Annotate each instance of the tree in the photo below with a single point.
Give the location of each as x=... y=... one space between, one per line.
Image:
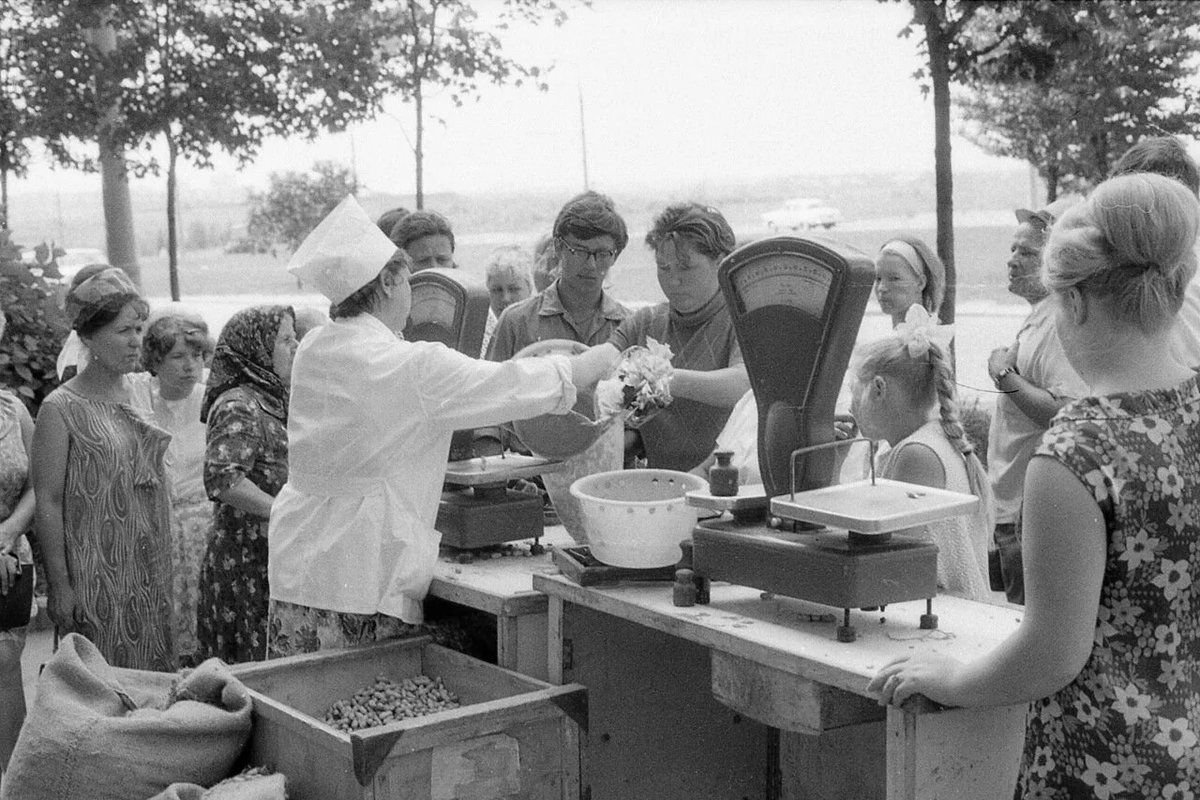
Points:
x=295 y=202
x=1086 y=81
x=201 y=74
x=441 y=43
x=17 y=123
x=35 y=330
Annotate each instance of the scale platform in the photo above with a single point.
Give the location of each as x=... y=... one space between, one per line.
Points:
x=750 y=503
x=856 y=562
x=478 y=510
x=578 y=564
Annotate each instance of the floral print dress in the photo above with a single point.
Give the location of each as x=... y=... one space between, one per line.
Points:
x=1127 y=726
x=244 y=441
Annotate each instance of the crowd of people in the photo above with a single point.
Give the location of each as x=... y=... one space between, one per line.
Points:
x=274 y=492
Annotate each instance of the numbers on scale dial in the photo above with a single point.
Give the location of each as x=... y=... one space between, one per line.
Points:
x=434 y=305
x=783 y=280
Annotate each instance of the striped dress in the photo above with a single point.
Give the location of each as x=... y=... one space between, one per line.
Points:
x=116 y=528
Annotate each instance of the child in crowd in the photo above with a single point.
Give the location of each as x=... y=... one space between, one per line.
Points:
x=903 y=393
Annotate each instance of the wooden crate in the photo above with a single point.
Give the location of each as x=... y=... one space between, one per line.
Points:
x=513 y=736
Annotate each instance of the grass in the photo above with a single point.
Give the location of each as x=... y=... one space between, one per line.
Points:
x=981 y=255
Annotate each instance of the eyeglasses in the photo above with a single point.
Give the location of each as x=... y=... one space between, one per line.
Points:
x=603 y=258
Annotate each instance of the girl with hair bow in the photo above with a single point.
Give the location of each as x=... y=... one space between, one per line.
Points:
x=903 y=392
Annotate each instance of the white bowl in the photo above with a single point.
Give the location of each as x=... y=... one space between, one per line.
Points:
x=636 y=518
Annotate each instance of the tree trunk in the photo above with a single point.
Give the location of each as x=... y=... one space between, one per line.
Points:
x=118 y=210
x=419 y=150
x=1051 y=183
x=3 y=199
x=172 y=238
x=939 y=73
x=114 y=176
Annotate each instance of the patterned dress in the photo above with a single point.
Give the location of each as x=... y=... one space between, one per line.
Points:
x=1127 y=725
x=116 y=523
x=191 y=510
x=244 y=441
x=14 y=477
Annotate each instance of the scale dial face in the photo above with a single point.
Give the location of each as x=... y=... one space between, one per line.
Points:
x=434 y=305
x=783 y=280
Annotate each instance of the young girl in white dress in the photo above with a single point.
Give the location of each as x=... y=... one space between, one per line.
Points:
x=903 y=392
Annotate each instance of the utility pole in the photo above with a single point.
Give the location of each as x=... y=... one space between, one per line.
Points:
x=583 y=136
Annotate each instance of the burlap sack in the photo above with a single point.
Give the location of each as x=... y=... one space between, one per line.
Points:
x=262 y=787
x=97 y=732
x=607 y=453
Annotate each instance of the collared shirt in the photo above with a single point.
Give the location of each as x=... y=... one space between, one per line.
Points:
x=543 y=317
x=1012 y=437
x=369 y=429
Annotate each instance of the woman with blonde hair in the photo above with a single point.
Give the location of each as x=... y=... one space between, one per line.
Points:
x=903 y=393
x=1108 y=648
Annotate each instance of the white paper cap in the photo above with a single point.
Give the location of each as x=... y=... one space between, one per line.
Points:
x=343 y=253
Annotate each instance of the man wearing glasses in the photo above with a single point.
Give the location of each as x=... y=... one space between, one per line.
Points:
x=1034 y=380
x=589 y=235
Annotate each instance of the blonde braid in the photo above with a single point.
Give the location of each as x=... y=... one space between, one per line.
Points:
x=977 y=479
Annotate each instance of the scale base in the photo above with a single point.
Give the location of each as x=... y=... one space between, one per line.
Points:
x=578 y=564
x=821 y=567
x=468 y=521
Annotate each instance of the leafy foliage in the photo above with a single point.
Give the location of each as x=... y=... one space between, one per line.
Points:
x=295 y=202
x=427 y=45
x=36 y=327
x=1083 y=82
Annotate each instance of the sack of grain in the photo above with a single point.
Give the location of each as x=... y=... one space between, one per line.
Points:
x=97 y=732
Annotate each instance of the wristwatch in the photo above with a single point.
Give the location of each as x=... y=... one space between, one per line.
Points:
x=1010 y=370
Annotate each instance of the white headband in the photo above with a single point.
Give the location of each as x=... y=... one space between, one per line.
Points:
x=908 y=254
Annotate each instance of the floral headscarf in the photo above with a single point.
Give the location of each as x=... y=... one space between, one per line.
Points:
x=245 y=356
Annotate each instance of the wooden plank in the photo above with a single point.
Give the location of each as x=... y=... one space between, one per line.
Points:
x=522 y=642
x=500 y=586
x=955 y=753
x=781 y=633
x=654 y=729
x=846 y=763
x=785 y=701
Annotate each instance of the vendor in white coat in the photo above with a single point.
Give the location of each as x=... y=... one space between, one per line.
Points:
x=352 y=542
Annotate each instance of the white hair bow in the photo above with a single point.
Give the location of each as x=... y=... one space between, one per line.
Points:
x=919 y=330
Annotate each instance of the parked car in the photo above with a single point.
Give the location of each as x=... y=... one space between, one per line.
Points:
x=802 y=213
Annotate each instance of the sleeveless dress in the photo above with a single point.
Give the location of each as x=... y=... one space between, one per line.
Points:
x=14 y=477
x=961 y=540
x=191 y=510
x=1127 y=726
x=116 y=529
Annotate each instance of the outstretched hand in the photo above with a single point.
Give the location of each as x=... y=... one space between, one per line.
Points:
x=928 y=674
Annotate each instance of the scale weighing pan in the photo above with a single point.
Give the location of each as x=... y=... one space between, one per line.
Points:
x=493 y=469
x=873 y=508
x=750 y=496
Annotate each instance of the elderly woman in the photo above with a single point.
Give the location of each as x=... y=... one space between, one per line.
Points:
x=16 y=556
x=509 y=279
x=1108 y=648
x=103 y=504
x=352 y=539
x=688 y=241
x=245 y=465
x=175 y=349
x=908 y=273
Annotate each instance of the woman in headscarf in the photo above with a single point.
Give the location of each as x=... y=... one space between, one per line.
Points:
x=352 y=539
x=245 y=464
x=688 y=241
x=175 y=350
x=103 y=509
x=908 y=273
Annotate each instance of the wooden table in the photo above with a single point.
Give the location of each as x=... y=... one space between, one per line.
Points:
x=748 y=697
x=503 y=587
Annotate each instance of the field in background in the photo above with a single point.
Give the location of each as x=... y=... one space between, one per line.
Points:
x=982 y=253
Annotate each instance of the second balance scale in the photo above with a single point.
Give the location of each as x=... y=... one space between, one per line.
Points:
x=477 y=508
x=797 y=305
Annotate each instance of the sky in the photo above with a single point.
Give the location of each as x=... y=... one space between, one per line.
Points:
x=673 y=91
